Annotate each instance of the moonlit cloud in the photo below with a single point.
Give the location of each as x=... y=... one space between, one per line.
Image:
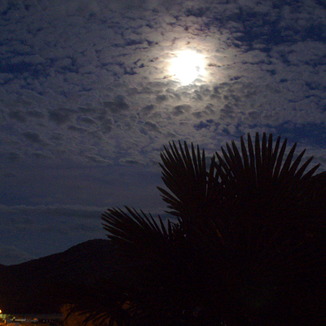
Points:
x=86 y=90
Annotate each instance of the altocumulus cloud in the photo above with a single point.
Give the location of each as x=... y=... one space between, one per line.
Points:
x=108 y=60
x=85 y=87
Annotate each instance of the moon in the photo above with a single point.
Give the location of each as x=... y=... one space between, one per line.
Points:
x=187 y=66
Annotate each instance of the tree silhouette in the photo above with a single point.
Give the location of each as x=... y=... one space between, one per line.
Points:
x=243 y=246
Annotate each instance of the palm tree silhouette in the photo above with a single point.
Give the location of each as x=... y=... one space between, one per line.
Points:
x=243 y=245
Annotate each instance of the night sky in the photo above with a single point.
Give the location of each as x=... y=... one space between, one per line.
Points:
x=88 y=98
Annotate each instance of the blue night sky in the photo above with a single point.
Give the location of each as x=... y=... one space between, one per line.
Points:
x=88 y=99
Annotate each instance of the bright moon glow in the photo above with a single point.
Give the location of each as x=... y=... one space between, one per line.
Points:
x=187 y=66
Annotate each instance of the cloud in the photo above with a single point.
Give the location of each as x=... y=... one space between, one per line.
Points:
x=117 y=106
x=97 y=160
x=60 y=116
x=50 y=211
x=86 y=120
x=86 y=84
x=33 y=137
x=35 y=114
x=181 y=109
x=13 y=157
x=40 y=155
x=17 y=115
x=94 y=184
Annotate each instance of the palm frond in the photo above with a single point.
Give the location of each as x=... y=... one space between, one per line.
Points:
x=262 y=170
x=191 y=186
x=183 y=173
x=132 y=227
x=248 y=239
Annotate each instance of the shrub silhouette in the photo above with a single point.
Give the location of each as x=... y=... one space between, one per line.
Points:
x=244 y=246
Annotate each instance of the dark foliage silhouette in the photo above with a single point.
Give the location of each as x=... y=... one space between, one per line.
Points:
x=243 y=246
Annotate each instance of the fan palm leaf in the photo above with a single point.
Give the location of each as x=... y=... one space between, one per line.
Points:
x=259 y=195
x=185 y=174
x=192 y=187
x=131 y=226
x=246 y=244
x=150 y=256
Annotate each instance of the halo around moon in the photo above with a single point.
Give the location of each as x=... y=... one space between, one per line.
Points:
x=187 y=66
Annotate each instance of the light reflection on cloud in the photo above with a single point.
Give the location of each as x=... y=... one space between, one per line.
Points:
x=187 y=66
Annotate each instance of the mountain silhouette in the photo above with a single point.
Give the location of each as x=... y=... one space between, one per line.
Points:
x=43 y=285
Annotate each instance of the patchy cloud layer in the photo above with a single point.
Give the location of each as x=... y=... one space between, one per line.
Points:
x=85 y=87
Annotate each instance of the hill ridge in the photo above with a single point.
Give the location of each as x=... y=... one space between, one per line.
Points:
x=40 y=285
